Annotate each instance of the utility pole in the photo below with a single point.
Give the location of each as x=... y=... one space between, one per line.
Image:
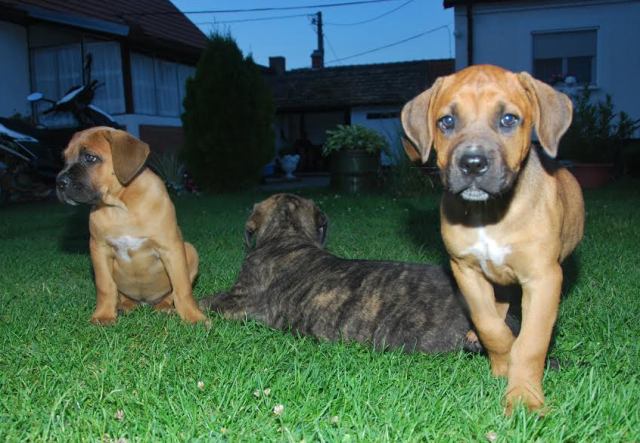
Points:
x=320 y=33
x=318 y=55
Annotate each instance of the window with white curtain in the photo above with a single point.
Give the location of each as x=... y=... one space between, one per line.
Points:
x=56 y=69
x=167 y=88
x=107 y=69
x=143 y=84
x=557 y=55
x=158 y=85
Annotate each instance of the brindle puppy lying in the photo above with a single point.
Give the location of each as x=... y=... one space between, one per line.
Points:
x=288 y=280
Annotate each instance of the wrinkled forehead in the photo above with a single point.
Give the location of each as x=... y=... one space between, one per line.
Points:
x=92 y=140
x=292 y=202
x=285 y=203
x=479 y=92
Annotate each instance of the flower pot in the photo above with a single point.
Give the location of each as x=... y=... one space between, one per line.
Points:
x=592 y=175
x=289 y=163
x=354 y=170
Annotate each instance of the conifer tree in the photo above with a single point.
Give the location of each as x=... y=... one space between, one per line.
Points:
x=228 y=118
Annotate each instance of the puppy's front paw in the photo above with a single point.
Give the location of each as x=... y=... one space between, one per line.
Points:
x=527 y=395
x=499 y=364
x=195 y=316
x=103 y=320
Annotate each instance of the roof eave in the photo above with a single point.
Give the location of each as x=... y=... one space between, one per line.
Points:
x=76 y=21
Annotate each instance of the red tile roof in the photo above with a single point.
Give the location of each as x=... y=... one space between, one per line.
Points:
x=151 y=22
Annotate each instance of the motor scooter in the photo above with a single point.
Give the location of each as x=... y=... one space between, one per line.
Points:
x=31 y=155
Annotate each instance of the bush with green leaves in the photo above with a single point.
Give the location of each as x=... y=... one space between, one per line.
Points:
x=405 y=178
x=354 y=137
x=228 y=118
x=170 y=169
x=597 y=132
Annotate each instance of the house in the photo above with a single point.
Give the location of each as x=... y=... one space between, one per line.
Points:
x=591 y=40
x=311 y=101
x=142 y=52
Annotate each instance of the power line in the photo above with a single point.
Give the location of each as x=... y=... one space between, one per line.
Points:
x=413 y=37
x=253 y=19
x=330 y=46
x=373 y=18
x=274 y=8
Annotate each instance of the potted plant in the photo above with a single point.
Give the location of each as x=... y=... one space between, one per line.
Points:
x=594 y=141
x=355 y=157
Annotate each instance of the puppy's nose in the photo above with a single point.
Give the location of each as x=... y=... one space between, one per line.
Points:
x=473 y=164
x=62 y=182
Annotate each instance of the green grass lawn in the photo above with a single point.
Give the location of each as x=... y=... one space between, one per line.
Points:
x=151 y=377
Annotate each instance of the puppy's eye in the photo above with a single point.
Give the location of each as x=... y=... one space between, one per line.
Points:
x=509 y=120
x=89 y=158
x=446 y=123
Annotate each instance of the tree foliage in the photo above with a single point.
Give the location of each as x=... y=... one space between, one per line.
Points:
x=227 y=119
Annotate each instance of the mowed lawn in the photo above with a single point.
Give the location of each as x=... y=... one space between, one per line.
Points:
x=153 y=378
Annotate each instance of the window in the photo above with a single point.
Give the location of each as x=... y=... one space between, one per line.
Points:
x=557 y=55
x=56 y=69
x=107 y=69
x=158 y=85
x=382 y=115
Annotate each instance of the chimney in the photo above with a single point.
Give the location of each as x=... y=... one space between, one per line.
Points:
x=317 y=59
x=278 y=65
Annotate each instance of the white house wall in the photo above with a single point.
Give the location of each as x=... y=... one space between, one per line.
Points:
x=14 y=86
x=389 y=126
x=503 y=36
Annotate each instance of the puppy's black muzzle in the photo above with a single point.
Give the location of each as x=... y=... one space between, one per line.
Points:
x=73 y=186
x=473 y=164
x=477 y=171
x=62 y=182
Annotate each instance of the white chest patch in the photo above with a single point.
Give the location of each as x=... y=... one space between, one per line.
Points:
x=486 y=249
x=122 y=245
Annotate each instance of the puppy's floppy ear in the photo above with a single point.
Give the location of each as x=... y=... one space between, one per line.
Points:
x=128 y=154
x=552 y=112
x=252 y=225
x=248 y=237
x=322 y=225
x=418 y=124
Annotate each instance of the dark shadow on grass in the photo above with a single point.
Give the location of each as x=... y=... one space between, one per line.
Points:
x=423 y=228
x=75 y=238
x=571 y=273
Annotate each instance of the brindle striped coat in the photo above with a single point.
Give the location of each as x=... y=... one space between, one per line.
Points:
x=288 y=280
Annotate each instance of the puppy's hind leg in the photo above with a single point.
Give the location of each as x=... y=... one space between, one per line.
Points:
x=125 y=304
x=165 y=305
x=192 y=260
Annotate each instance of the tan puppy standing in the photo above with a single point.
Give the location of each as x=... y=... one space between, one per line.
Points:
x=137 y=250
x=509 y=214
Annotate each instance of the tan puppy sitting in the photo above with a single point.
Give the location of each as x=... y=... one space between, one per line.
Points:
x=509 y=214
x=137 y=250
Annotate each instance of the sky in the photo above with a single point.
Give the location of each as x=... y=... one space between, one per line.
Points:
x=348 y=30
